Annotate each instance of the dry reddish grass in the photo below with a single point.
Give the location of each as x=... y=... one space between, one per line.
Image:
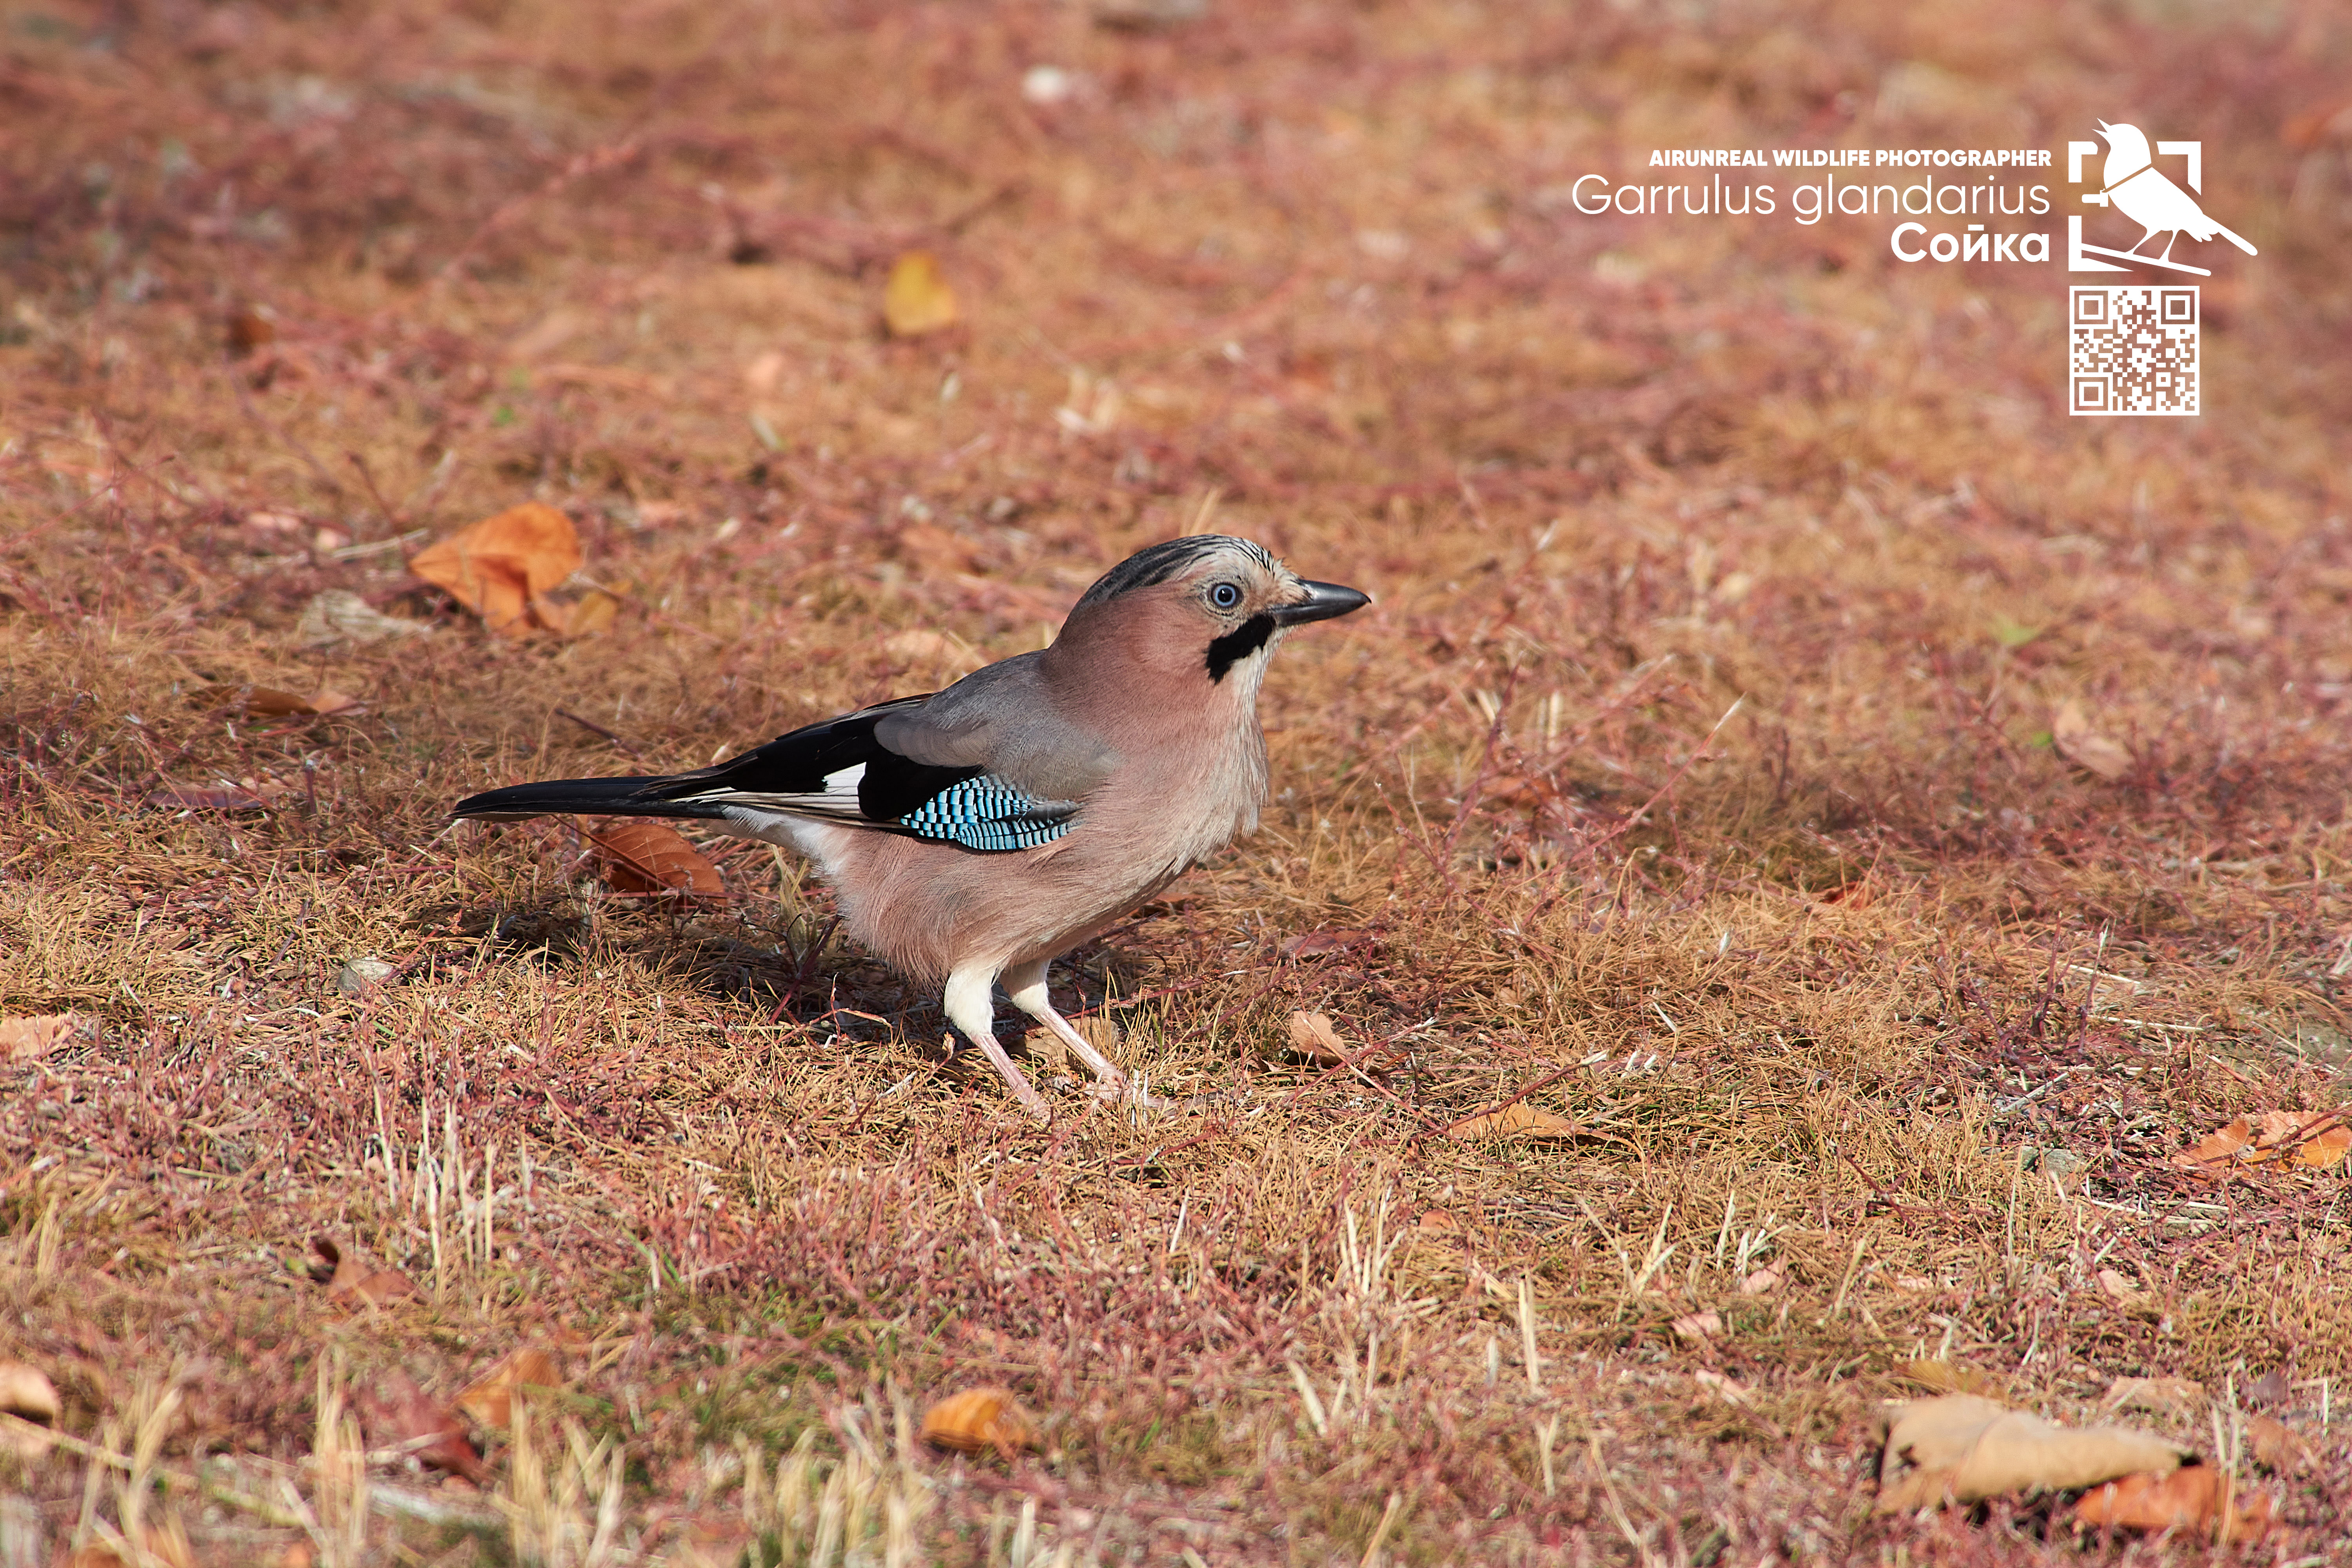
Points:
x=1829 y=1005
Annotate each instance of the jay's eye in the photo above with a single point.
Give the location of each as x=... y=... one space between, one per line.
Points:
x=1224 y=595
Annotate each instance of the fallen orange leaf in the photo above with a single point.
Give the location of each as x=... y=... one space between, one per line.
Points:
x=980 y=1418
x=503 y=567
x=1312 y=1036
x=27 y=1394
x=490 y=1400
x=2316 y=1139
x=1332 y=939
x=399 y=1413
x=350 y=1284
x=916 y=299
x=647 y=857
x=270 y=702
x=1697 y=1327
x=1522 y=1120
x=2189 y=1498
x=2072 y=735
x=28 y=1039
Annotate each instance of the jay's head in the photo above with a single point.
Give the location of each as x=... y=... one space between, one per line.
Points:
x=1209 y=607
x=2128 y=140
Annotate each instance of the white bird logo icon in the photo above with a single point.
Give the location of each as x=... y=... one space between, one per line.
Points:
x=2136 y=188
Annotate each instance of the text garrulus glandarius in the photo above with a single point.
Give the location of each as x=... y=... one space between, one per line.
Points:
x=977 y=834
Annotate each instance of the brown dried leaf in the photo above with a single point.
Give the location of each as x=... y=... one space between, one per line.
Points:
x=27 y=1394
x=400 y=1415
x=2189 y=1497
x=2117 y=1287
x=1959 y=1447
x=1312 y=1036
x=2070 y=733
x=647 y=857
x=336 y=616
x=1520 y=1120
x=270 y=702
x=2278 y=1446
x=503 y=567
x=1331 y=939
x=251 y=327
x=1697 y=1327
x=490 y=1400
x=31 y=1038
x=591 y=613
x=2157 y=1394
x=2304 y=1138
x=980 y=1418
x=916 y=299
x=350 y=1284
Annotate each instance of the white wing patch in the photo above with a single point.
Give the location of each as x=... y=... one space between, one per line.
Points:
x=836 y=800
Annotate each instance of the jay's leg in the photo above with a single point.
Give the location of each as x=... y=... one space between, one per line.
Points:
x=1025 y=985
x=970 y=1006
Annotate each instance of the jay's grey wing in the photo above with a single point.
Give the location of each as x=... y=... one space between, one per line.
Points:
x=899 y=768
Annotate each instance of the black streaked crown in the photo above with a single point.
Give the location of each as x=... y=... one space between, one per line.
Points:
x=1164 y=562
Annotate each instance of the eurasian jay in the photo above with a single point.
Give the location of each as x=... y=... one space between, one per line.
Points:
x=975 y=834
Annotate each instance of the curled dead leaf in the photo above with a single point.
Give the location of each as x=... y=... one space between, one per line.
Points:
x=26 y=1393
x=2277 y=1447
x=2191 y=1498
x=1697 y=1327
x=338 y=615
x=1731 y=1388
x=490 y=1399
x=31 y=1038
x=1336 y=939
x=1961 y=1448
x=351 y=1284
x=916 y=299
x=980 y=1418
x=2315 y=1139
x=1520 y=1120
x=399 y=1415
x=270 y=702
x=1312 y=1036
x=503 y=567
x=647 y=857
x=2072 y=734
x=591 y=613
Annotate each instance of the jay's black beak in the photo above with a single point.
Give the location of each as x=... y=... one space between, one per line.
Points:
x=1323 y=601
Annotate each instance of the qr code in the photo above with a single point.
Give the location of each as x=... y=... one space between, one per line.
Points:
x=2132 y=350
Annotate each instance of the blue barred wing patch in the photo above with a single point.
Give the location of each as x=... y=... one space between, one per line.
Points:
x=986 y=813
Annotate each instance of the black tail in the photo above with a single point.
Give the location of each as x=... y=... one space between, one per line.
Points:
x=638 y=797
